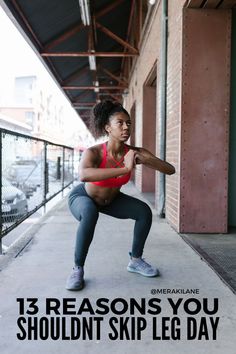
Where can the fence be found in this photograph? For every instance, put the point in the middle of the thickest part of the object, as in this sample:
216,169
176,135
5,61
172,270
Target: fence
32,171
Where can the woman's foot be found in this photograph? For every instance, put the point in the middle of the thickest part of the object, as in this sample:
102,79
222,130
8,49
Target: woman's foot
138,265
76,279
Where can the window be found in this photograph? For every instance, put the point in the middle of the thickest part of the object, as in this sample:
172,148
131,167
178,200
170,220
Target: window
29,118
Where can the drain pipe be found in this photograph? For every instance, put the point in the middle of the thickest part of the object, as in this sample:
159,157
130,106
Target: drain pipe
162,112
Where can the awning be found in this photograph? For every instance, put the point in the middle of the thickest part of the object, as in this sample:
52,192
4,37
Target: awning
88,46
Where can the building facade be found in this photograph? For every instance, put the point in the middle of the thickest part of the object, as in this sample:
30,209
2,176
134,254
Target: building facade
181,99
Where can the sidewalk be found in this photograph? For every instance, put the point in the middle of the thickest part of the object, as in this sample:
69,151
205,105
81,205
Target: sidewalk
41,268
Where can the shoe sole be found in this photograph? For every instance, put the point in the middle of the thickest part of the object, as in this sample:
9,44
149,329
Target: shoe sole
144,274
77,288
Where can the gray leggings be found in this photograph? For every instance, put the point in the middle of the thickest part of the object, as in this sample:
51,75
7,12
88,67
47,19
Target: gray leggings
123,206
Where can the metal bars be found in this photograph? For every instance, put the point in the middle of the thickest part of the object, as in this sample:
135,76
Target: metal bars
32,171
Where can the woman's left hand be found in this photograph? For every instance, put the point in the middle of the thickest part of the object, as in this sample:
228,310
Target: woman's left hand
139,158
129,160
145,157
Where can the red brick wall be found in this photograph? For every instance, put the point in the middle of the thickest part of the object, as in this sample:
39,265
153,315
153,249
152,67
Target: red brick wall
174,78
149,53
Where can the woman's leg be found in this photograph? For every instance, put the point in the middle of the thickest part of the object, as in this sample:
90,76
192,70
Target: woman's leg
127,207
84,210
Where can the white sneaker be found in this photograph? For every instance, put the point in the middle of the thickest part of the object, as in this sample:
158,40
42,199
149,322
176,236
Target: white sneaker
76,279
140,266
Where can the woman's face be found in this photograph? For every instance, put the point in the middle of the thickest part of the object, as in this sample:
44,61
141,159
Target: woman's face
119,126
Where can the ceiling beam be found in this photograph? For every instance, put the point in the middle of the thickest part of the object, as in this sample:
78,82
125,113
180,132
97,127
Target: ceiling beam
63,37
81,95
86,54
79,73
84,104
122,82
116,38
84,108
116,98
71,32
108,8
94,87
108,94
83,114
194,3
211,4
227,4
128,33
83,111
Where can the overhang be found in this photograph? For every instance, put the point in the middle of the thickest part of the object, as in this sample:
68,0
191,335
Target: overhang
88,46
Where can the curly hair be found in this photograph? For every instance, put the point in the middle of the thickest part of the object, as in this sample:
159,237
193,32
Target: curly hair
101,114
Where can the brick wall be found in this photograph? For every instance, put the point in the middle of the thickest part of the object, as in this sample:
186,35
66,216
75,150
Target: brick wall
174,79
149,53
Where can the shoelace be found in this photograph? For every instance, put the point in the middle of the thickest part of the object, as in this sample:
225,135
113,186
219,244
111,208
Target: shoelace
143,264
77,272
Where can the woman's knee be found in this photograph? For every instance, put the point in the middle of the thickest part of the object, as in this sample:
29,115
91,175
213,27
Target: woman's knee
145,211
89,212
84,208
76,192
138,209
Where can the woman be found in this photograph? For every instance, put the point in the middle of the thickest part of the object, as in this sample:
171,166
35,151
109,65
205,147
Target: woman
104,168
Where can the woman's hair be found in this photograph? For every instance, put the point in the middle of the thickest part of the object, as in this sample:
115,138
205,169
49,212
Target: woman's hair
101,114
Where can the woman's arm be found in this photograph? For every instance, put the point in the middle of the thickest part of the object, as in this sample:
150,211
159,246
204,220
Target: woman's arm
89,171
145,157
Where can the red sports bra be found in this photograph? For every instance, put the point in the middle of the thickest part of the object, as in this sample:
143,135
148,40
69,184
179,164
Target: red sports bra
114,181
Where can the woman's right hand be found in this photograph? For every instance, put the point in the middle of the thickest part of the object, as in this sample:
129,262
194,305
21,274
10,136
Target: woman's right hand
129,160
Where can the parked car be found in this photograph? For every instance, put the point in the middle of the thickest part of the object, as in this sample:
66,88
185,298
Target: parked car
14,202
25,176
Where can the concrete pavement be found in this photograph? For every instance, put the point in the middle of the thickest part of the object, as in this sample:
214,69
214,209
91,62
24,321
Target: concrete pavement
40,270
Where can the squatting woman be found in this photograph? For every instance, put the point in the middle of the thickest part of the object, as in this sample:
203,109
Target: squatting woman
104,168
